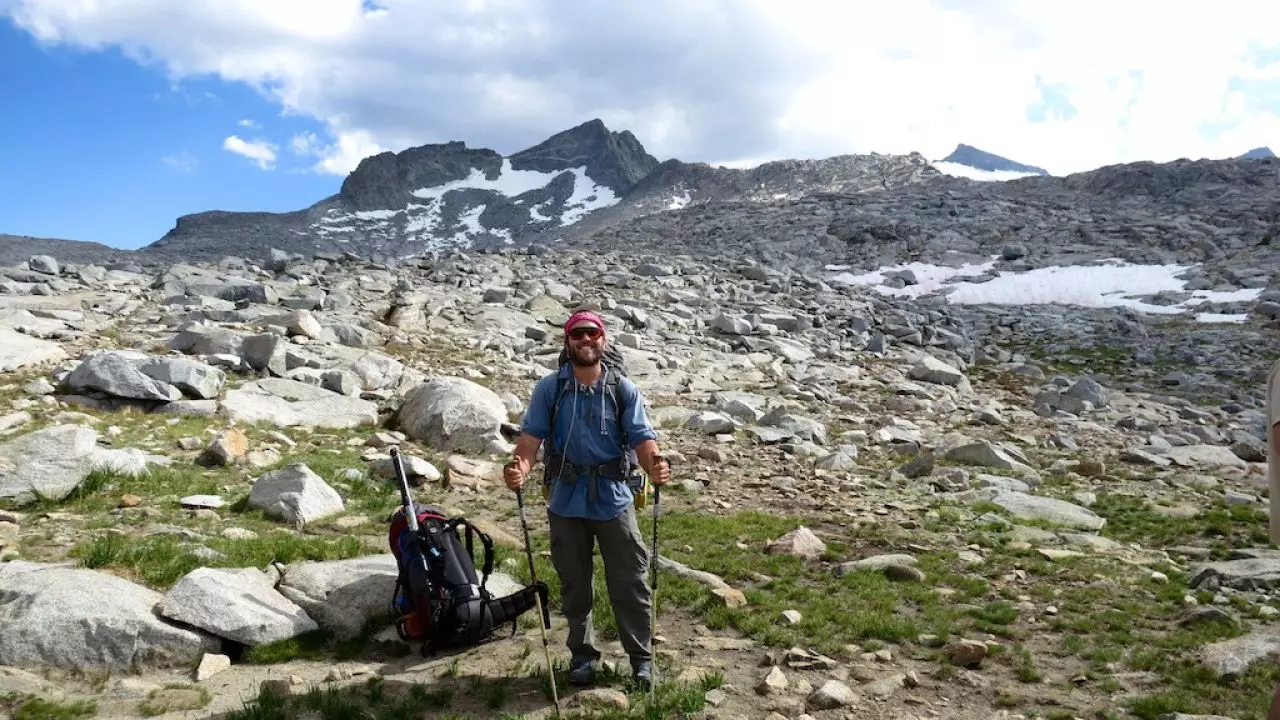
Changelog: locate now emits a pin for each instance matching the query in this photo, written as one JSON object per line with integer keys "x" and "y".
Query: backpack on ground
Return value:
{"x": 628, "y": 467}
{"x": 439, "y": 600}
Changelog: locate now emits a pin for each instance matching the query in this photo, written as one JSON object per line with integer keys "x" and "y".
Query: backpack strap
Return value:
{"x": 613, "y": 386}
{"x": 471, "y": 532}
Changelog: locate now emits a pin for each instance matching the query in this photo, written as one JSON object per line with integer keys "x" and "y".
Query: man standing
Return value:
{"x": 590, "y": 499}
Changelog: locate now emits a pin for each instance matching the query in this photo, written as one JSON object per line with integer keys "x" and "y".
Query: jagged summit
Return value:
{"x": 1258, "y": 153}
{"x": 967, "y": 158}
{"x": 616, "y": 160}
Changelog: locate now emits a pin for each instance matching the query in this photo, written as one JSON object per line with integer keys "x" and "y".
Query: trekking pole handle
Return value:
{"x": 410, "y": 514}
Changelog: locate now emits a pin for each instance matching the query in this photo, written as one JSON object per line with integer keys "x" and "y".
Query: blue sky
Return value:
{"x": 100, "y": 148}
{"x": 131, "y": 113}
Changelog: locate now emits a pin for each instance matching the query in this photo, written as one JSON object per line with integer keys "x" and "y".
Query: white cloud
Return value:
{"x": 250, "y": 124}
{"x": 260, "y": 151}
{"x": 728, "y": 80}
{"x": 183, "y": 161}
{"x": 339, "y": 158}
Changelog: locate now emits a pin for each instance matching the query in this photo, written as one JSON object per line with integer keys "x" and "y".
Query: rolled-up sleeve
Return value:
{"x": 537, "y": 418}
{"x": 635, "y": 421}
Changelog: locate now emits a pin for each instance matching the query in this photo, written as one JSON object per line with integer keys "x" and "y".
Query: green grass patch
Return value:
{"x": 159, "y": 561}
{"x": 1219, "y": 526}
{"x": 857, "y": 607}
{"x": 465, "y": 696}
{"x": 174, "y": 697}
{"x": 29, "y": 707}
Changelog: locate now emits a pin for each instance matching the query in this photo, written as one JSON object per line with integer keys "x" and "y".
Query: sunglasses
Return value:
{"x": 590, "y": 333}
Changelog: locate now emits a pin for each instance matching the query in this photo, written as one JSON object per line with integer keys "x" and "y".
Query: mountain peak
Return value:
{"x": 616, "y": 160}
{"x": 1258, "y": 153}
{"x": 972, "y": 157}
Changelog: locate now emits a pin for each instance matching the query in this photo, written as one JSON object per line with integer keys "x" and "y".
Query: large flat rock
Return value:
{"x": 342, "y": 594}
{"x": 240, "y": 605}
{"x": 1230, "y": 658}
{"x": 1036, "y": 507}
{"x": 18, "y": 351}
{"x": 48, "y": 463}
{"x": 288, "y": 403}
{"x": 58, "y": 616}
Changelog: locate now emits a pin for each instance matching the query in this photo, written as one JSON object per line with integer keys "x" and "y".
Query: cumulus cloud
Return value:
{"x": 1066, "y": 86}
{"x": 260, "y": 151}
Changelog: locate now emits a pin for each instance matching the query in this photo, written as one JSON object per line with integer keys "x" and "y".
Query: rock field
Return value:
{"x": 883, "y": 506}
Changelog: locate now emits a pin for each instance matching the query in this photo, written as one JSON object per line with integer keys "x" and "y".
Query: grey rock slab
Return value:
{"x": 831, "y": 695}
{"x": 932, "y": 370}
{"x": 130, "y": 462}
{"x": 985, "y": 454}
{"x": 711, "y": 423}
{"x": 744, "y": 406}
{"x": 18, "y": 350}
{"x": 1242, "y": 574}
{"x": 1230, "y": 658}
{"x": 48, "y": 463}
{"x": 1036, "y": 507}
{"x": 59, "y": 616}
{"x": 295, "y": 495}
{"x": 340, "y": 595}
{"x": 241, "y": 604}
{"x": 117, "y": 374}
{"x": 454, "y": 415}
{"x": 195, "y": 379}
{"x": 1211, "y": 456}
{"x": 288, "y": 403}
{"x": 793, "y": 351}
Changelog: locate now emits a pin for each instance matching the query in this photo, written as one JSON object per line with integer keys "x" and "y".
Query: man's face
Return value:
{"x": 586, "y": 342}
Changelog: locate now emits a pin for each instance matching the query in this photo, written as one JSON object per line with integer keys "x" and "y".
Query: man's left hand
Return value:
{"x": 661, "y": 471}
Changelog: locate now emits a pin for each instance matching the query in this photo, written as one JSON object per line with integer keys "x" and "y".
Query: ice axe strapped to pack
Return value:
{"x": 439, "y": 599}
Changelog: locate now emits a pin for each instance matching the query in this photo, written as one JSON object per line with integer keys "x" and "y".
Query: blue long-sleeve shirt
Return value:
{"x": 587, "y": 433}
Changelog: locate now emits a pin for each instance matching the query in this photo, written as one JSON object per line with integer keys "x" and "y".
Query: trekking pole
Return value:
{"x": 653, "y": 593}
{"x": 537, "y": 598}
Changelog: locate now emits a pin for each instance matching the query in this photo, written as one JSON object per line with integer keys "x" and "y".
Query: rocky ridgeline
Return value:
{"x": 812, "y": 378}
{"x": 1220, "y": 214}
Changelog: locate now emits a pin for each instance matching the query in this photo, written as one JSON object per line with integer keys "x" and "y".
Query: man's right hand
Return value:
{"x": 514, "y": 473}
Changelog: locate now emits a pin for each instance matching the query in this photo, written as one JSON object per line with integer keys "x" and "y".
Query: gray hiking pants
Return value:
{"x": 626, "y": 566}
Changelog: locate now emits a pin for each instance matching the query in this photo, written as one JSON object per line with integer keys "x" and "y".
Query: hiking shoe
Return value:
{"x": 582, "y": 672}
{"x": 642, "y": 674}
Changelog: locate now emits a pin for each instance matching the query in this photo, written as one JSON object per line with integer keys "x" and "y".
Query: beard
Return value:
{"x": 584, "y": 355}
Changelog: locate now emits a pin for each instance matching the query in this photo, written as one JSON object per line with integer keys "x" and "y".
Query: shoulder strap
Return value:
{"x": 555, "y": 407}
{"x": 613, "y": 386}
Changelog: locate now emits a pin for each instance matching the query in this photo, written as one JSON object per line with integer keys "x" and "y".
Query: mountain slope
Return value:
{"x": 434, "y": 197}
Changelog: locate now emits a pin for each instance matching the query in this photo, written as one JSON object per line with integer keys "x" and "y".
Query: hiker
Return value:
{"x": 590, "y": 499}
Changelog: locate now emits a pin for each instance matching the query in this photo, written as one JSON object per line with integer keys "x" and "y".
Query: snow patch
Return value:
{"x": 1114, "y": 283}
{"x": 929, "y": 278}
{"x": 470, "y": 221}
{"x": 679, "y": 201}
{"x": 510, "y": 182}
{"x": 587, "y": 197}
{"x": 535, "y": 211}
{"x": 964, "y": 171}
